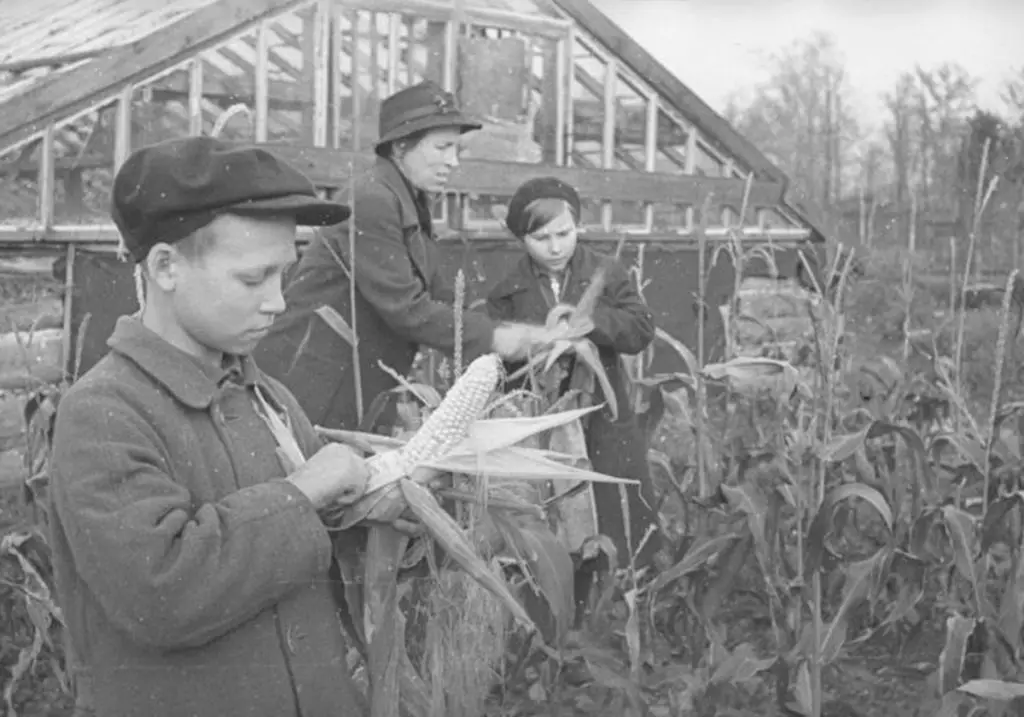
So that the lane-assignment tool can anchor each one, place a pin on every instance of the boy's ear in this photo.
(162, 266)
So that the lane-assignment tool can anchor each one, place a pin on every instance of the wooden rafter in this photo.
(59, 96)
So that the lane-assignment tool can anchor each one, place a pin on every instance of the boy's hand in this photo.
(336, 474)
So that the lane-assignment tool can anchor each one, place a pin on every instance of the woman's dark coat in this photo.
(401, 303)
(622, 325)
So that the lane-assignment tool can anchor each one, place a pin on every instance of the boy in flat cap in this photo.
(544, 214)
(190, 563)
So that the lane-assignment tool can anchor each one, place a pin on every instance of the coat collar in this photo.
(527, 274)
(189, 380)
(390, 176)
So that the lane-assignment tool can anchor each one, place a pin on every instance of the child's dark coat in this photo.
(622, 325)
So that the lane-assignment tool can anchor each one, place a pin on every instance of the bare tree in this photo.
(801, 116)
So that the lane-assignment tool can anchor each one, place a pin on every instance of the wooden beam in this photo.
(686, 101)
(329, 168)
(530, 23)
(57, 97)
(105, 236)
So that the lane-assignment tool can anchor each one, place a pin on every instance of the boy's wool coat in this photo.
(194, 581)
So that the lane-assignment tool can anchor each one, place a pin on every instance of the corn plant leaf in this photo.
(586, 351)
(490, 434)
(802, 690)
(822, 524)
(729, 566)
(761, 513)
(549, 564)
(551, 567)
(695, 558)
(1011, 606)
(960, 526)
(748, 373)
(519, 463)
(450, 536)
(861, 579)
(842, 447)
(557, 350)
(742, 665)
(337, 323)
(997, 520)
(951, 660)
(993, 689)
(967, 446)
(692, 365)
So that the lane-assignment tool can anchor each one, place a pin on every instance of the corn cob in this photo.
(446, 427)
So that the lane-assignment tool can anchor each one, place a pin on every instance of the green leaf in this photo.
(587, 352)
(748, 499)
(742, 665)
(960, 526)
(490, 434)
(747, 373)
(842, 447)
(802, 690)
(692, 365)
(549, 563)
(993, 689)
(951, 660)
(521, 464)
(995, 523)
(821, 525)
(861, 579)
(696, 558)
(337, 324)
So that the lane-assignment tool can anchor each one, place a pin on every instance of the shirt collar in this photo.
(191, 381)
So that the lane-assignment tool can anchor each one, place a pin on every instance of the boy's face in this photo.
(553, 245)
(226, 297)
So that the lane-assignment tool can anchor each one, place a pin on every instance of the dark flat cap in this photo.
(532, 190)
(425, 105)
(166, 191)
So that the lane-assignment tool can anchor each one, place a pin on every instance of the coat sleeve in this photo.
(387, 279)
(622, 321)
(166, 571)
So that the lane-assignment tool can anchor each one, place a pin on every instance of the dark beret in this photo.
(166, 191)
(532, 190)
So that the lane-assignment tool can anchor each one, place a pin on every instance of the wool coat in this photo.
(193, 580)
(622, 325)
(401, 303)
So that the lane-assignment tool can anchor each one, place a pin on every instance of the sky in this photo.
(718, 46)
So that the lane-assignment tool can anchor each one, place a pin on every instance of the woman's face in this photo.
(429, 163)
(553, 245)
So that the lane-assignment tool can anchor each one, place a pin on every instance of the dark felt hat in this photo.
(425, 105)
(532, 190)
(166, 191)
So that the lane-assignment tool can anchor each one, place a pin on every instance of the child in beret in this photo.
(553, 273)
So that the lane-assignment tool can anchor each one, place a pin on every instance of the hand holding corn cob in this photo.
(335, 475)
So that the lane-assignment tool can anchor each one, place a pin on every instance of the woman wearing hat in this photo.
(554, 273)
(401, 301)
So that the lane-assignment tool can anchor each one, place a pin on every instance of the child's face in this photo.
(553, 245)
(226, 300)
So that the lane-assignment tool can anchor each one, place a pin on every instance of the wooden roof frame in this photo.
(64, 94)
(706, 119)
